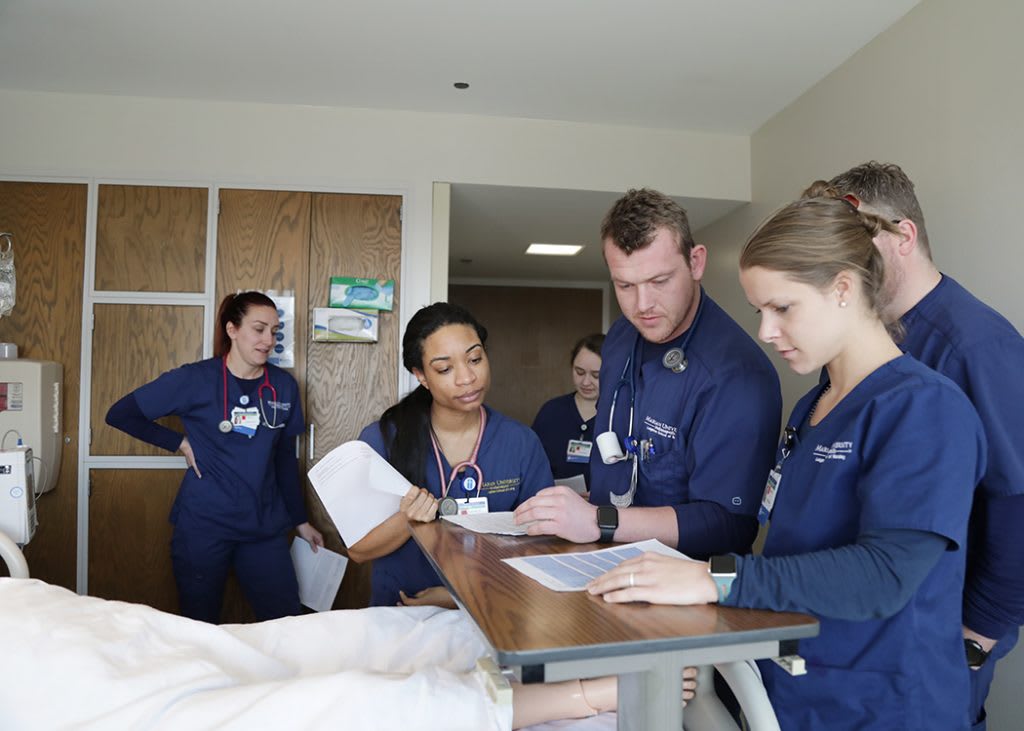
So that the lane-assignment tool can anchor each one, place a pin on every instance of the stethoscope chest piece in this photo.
(224, 426)
(447, 506)
(675, 360)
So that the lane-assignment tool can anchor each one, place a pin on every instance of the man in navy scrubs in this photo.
(693, 401)
(950, 330)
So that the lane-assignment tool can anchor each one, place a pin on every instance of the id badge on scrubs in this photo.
(245, 421)
(578, 451)
(472, 506)
(771, 490)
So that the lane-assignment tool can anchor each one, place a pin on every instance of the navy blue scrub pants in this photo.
(263, 567)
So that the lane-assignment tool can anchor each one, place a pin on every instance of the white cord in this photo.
(3, 442)
(37, 490)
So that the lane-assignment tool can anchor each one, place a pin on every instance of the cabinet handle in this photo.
(311, 449)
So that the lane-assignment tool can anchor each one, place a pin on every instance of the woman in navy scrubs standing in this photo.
(869, 498)
(241, 495)
(448, 445)
(565, 424)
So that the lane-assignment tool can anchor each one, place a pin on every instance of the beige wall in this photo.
(940, 94)
(356, 149)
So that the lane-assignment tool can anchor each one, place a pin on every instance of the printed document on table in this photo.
(358, 488)
(499, 523)
(319, 574)
(573, 571)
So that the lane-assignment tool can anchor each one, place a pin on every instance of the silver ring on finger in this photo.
(632, 579)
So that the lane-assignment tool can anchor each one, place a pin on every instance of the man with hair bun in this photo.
(950, 330)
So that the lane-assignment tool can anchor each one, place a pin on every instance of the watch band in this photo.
(607, 522)
(723, 572)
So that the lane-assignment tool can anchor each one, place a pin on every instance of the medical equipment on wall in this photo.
(448, 504)
(362, 293)
(8, 283)
(338, 325)
(608, 443)
(17, 495)
(246, 420)
(30, 410)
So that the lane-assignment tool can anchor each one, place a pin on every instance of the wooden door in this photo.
(531, 332)
(350, 384)
(149, 239)
(48, 224)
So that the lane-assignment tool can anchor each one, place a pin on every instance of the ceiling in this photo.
(491, 226)
(725, 66)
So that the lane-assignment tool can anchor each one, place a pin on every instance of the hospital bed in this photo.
(84, 662)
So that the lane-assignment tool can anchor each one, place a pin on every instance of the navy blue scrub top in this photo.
(514, 468)
(903, 451)
(714, 426)
(964, 339)
(238, 495)
(556, 423)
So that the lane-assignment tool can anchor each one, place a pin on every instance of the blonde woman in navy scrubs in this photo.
(241, 495)
(565, 424)
(869, 499)
(447, 443)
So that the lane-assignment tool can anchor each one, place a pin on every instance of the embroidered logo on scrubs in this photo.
(660, 428)
(280, 405)
(506, 485)
(838, 451)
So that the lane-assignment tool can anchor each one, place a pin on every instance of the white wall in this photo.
(939, 93)
(315, 147)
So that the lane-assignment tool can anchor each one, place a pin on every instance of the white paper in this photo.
(573, 571)
(577, 483)
(500, 523)
(319, 574)
(358, 488)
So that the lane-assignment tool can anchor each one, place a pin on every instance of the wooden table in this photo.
(552, 635)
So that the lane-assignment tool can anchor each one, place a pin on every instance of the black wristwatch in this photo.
(976, 655)
(607, 521)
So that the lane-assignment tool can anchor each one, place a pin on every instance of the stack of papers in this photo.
(500, 523)
(359, 489)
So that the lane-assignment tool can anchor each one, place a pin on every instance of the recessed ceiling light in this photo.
(461, 85)
(553, 249)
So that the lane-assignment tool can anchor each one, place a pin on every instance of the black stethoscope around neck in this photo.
(674, 360)
(225, 425)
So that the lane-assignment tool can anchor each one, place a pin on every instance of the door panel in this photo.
(531, 332)
(132, 345)
(130, 550)
(48, 224)
(263, 243)
(151, 238)
(350, 384)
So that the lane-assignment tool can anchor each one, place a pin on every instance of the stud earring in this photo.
(842, 303)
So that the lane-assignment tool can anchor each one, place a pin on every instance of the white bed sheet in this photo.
(79, 662)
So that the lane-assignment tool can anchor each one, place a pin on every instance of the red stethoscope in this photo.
(448, 505)
(225, 426)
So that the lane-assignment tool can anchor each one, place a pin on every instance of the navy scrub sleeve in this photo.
(515, 469)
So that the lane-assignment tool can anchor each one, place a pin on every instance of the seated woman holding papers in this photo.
(458, 454)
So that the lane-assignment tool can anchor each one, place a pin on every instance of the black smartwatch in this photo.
(976, 655)
(607, 521)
